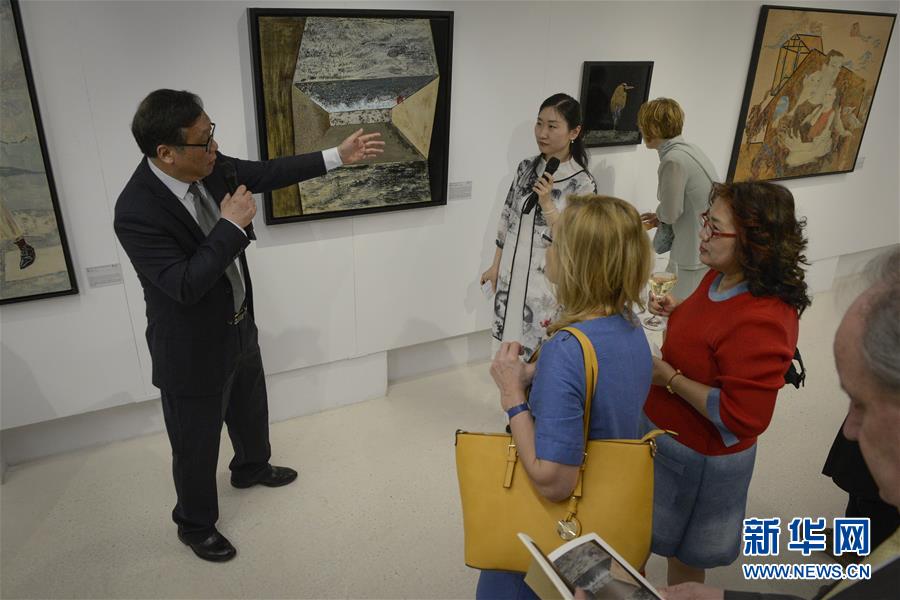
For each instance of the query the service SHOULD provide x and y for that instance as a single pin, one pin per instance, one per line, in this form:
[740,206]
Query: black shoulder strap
[793,376]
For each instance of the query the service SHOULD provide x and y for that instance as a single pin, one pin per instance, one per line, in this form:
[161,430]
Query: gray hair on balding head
[881,336]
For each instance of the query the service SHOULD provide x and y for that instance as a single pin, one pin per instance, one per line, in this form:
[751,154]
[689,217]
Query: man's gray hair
[881,337]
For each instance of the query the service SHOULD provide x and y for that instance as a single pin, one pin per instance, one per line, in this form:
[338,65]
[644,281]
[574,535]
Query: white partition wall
[334,296]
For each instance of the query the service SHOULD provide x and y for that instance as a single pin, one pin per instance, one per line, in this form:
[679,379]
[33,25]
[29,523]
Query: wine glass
[661,283]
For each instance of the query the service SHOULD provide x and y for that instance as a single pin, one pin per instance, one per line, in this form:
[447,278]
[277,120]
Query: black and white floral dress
[524,239]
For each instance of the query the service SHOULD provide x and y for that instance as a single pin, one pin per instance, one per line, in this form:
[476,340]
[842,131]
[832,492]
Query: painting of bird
[611,94]
[618,101]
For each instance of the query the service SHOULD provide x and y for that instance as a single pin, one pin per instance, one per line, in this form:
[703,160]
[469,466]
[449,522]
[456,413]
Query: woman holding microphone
[523,301]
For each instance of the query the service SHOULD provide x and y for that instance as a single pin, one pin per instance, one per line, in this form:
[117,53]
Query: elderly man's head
[867,354]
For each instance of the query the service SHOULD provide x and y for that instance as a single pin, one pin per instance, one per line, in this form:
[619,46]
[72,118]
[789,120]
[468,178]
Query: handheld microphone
[231,182]
[531,200]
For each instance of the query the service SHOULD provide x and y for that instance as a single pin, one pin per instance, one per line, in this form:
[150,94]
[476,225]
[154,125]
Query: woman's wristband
[511,412]
[672,378]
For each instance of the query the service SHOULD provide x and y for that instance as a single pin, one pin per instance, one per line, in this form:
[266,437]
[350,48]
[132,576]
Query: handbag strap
[591,374]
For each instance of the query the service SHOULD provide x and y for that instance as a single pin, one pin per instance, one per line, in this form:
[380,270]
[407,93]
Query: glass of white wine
[661,283]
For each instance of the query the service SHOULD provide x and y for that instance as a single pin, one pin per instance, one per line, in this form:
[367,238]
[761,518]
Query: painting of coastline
[321,75]
[34,258]
[810,88]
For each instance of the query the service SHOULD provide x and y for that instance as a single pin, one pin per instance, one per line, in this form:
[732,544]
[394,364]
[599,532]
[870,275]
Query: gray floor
[375,512]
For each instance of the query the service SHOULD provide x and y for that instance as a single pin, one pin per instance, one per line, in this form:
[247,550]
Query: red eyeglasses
[707,226]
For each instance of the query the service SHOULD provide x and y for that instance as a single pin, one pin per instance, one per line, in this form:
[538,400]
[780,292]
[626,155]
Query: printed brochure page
[589,563]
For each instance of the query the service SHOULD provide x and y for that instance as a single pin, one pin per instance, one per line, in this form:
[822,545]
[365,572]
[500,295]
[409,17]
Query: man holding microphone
[185,219]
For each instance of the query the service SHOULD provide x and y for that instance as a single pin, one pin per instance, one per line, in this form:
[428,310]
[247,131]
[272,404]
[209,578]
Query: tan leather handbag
[613,496]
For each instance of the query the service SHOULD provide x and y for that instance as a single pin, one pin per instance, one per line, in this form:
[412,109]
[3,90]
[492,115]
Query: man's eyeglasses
[707,226]
[207,145]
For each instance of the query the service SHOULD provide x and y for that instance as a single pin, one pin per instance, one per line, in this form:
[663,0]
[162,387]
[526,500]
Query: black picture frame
[30,203]
[785,131]
[604,87]
[415,173]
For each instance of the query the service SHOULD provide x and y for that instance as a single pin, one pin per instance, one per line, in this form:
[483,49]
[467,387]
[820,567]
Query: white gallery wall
[334,296]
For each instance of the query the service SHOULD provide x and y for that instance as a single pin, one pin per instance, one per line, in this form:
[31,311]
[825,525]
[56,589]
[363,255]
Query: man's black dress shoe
[270,477]
[214,548]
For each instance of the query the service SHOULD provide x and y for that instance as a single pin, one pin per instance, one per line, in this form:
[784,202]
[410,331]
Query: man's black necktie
[207,217]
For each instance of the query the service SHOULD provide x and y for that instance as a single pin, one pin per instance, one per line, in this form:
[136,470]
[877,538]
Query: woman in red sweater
[726,351]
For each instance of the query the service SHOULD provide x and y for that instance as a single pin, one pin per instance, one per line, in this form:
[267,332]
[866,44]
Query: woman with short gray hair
[685,179]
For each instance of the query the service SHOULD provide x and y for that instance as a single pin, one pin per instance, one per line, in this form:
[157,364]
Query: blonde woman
[598,261]
[685,178]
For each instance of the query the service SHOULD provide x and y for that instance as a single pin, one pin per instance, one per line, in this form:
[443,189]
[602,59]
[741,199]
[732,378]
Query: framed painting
[34,256]
[812,79]
[319,75]
[611,94]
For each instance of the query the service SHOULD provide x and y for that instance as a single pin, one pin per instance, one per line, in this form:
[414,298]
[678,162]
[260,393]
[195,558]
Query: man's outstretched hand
[358,146]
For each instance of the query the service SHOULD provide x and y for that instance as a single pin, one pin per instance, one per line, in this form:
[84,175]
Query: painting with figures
[812,81]
[320,75]
[34,256]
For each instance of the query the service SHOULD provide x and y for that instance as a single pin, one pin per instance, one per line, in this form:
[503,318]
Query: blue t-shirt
[557,392]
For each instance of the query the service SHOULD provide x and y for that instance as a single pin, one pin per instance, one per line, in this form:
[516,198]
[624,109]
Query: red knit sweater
[743,346]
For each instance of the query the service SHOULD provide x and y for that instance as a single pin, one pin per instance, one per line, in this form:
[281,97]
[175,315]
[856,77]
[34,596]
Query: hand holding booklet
[589,563]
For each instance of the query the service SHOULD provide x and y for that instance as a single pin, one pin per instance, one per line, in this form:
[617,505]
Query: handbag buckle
[653,448]
[568,528]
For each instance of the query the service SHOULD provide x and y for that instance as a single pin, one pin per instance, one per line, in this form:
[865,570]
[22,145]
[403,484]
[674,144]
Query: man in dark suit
[185,235]
[847,468]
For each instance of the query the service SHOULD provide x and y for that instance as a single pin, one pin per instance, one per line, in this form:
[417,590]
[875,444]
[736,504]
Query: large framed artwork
[319,75]
[611,94]
[34,256]
[812,79]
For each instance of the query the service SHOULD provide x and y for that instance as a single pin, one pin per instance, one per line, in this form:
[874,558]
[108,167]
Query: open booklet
[589,563]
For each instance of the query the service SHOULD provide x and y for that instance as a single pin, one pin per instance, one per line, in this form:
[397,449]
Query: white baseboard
[21,444]
[421,359]
[291,394]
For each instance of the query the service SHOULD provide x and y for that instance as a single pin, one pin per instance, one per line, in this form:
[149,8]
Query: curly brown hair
[770,241]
